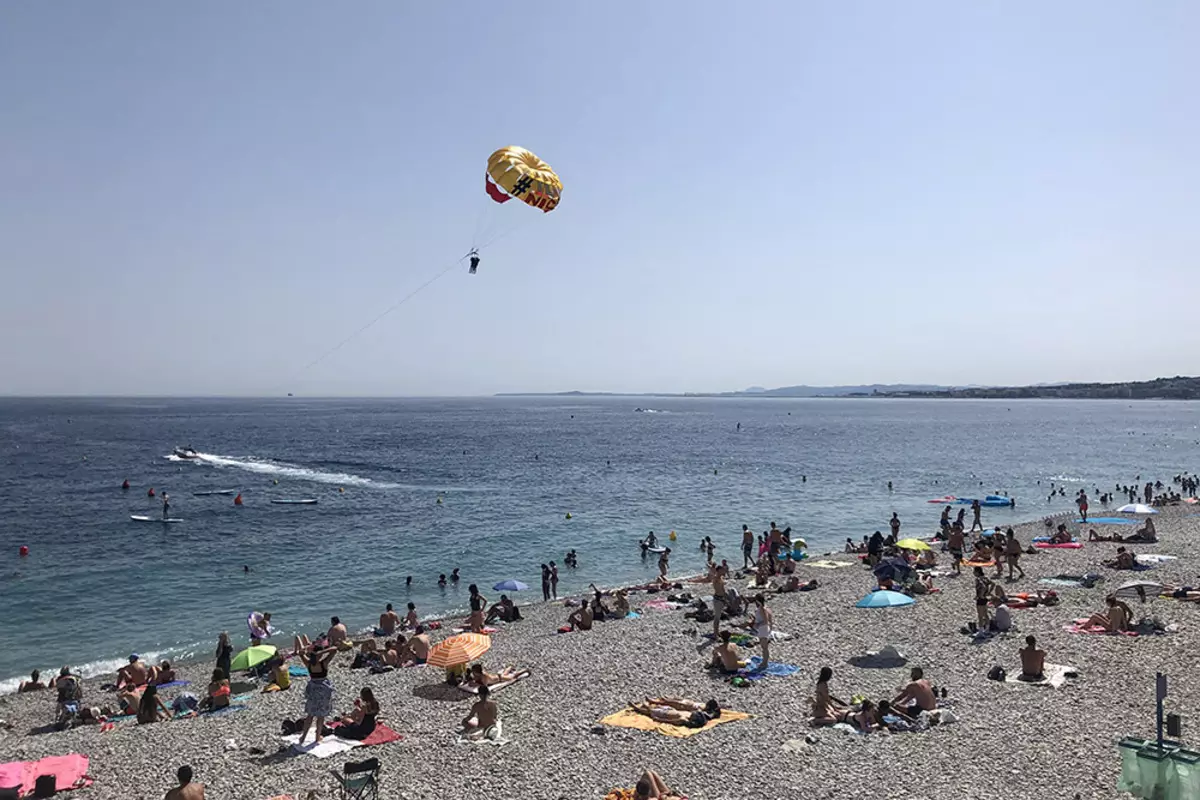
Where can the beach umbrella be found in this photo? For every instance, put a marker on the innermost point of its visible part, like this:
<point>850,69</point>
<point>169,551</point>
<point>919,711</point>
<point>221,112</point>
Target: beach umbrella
<point>884,599</point>
<point>892,569</point>
<point>510,585</point>
<point>1146,589</point>
<point>460,649</point>
<point>1136,508</point>
<point>912,544</point>
<point>251,657</point>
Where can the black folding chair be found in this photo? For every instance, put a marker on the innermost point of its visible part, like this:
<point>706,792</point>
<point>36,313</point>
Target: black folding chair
<point>359,780</point>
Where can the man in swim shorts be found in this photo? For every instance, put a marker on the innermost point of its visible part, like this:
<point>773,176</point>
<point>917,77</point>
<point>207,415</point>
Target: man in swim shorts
<point>956,548</point>
<point>747,547</point>
<point>717,574</point>
<point>418,645</point>
<point>388,621</point>
<point>725,656</point>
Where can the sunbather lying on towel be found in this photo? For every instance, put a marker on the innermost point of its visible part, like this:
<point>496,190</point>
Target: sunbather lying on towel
<point>1116,620</point>
<point>651,787</point>
<point>477,677</point>
<point>1095,537</point>
<point>678,711</point>
<point>793,584</point>
<point>1124,560</point>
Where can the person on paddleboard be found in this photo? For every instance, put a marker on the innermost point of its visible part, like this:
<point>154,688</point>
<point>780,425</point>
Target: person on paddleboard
<point>474,256</point>
<point>166,505</point>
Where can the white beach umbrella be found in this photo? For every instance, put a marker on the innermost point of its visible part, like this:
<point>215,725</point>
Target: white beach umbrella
<point>1137,508</point>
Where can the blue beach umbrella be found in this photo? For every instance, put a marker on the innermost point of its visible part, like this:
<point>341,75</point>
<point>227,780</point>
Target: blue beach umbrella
<point>510,585</point>
<point>884,599</point>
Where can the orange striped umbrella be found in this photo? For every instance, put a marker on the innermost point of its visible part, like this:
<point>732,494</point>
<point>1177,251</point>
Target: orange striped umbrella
<point>459,649</point>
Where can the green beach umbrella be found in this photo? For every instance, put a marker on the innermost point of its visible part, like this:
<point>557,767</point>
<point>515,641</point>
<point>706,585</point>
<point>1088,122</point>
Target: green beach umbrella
<point>251,657</point>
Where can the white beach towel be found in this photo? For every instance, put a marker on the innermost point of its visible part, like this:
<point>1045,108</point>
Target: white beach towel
<point>329,746</point>
<point>1053,675</point>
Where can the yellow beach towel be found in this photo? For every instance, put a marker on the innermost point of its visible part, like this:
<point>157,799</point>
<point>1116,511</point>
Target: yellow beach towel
<point>628,718</point>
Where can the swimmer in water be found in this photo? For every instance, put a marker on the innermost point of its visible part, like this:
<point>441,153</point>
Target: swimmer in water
<point>442,580</point>
<point>454,575</point>
<point>125,484</point>
<point>408,582</point>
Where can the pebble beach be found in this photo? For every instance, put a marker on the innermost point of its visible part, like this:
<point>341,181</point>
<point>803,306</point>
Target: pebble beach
<point>1009,741</point>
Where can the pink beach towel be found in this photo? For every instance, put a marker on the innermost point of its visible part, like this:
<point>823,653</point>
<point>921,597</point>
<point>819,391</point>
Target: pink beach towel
<point>1063,546</point>
<point>70,772</point>
<point>1080,626</point>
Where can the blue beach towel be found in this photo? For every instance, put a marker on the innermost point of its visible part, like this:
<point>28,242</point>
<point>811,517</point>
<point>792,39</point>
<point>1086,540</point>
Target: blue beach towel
<point>173,683</point>
<point>633,615</point>
<point>297,671</point>
<point>775,669</point>
<point>1108,521</point>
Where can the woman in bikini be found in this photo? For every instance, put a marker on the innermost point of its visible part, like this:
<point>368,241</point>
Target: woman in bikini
<point>827,709</point>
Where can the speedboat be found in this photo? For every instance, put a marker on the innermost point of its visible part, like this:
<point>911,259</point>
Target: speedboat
<point>186,452</point>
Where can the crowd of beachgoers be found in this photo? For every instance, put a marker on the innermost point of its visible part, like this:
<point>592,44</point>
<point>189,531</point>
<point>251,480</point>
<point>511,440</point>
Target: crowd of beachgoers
<point>972,653</point>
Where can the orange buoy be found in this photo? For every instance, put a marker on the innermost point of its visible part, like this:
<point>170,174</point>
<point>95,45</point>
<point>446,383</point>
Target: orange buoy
<point>237,501</point>
<point>151,492</point>
<point>24,551</point>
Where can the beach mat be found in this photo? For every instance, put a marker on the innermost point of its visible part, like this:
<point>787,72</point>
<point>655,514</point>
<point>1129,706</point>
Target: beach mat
<point>297,671</point>
<point>1063,546</point>
<point>628,718</point>
<point>775,669</point>
<point>486,630</point>
<point>171,684</point>
<point>979,563</point>
<point>1108,521</point>
<point>381,735</point>
<point>70,772</point>
<point>1053,675</point>
<point>827,564</point>
<point>329,746</point>
<point>1153,558</point>
<point>1081,626</point>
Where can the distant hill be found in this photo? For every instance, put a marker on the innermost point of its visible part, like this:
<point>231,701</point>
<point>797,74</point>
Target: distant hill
<point>1177,388</point>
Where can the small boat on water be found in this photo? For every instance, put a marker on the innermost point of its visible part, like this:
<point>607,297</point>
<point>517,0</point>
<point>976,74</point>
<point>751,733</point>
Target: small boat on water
<point>186,452</point>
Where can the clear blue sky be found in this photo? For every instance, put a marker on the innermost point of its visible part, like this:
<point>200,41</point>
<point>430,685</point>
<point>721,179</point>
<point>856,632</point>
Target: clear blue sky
<point>203,198</point>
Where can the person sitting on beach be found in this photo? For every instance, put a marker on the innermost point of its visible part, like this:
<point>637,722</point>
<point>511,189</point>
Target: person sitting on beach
<point>151,707</point>
<point>34,684</point>
<point>483,716</point>
<point>1061,535</point>
<point>866,719</point>
<point>394,651</point>
<point>418,645</point>
<point>983,551</point>
<point>218,692</point>
<point>410,619</point>
<point>927,560</point>
<point>161,674</point>
<point>281,679</point>
<point>678,711</point>
<point>130,700</point>
<point>504,610</point>
<point>360,723</point>
<point>389,620</point>
<point>1124,560</point>
<point>917,695</point>
<point>725,655</point>
<point>1146,534</point>
<point>789,565</point>
<point>133,674</point>
<point>337,635</point>
<point>477,677</point>
<point>851,547</point>
<point>621,604</point>
<point>599,611</point>
<point>1033,660</point>
<point>1116,620</point>
<point>700,612</point>
<point>70,693</point>
<point>186,790</point>
<point>827,709</point>
<point>581,619</point>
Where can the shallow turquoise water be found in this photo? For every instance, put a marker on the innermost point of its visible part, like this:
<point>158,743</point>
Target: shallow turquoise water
<point>97,586</point>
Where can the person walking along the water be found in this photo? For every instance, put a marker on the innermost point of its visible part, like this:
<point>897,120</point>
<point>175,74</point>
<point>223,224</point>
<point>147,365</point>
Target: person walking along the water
<point>545,582</point>
<point>975,511</point>
<point>895,523</point>
<point>554,580</point>
<point>1082,502</point>
<point>747,547</point>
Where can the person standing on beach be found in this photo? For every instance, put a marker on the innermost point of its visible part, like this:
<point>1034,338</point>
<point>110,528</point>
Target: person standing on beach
<point>554,580</point>
<point>318,694</point>
<point>186,790</point>
<point>545,582</point>
<point>478,603</point>
<point>747,547</point>
<point>983,590</point>
<point>975,512</point>
<point>717,574</point>
<point>664,562</point>
<point>762,628</point>
<point>1082,502</point>
<point>895,523</point>
<point>1012,554</point>
<point>955,544</point>
<point>224,653</point>
<point>945,523</point>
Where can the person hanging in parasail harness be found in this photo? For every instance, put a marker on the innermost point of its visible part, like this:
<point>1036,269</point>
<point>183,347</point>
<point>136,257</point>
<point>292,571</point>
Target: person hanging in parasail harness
<point>474,256</point>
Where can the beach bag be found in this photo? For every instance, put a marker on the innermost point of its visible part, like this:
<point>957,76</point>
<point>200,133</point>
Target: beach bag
<point>45,786</point>
<point>997,673</point>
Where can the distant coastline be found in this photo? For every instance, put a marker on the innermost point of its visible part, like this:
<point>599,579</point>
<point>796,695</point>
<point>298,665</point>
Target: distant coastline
<point>1177,388</point>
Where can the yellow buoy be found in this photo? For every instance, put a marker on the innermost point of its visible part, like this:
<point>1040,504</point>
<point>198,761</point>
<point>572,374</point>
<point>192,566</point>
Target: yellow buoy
<point>341,490</point>
<point>439,502</point>
<point>672,536</point>
<point>276,481</point>
<point>568,515</point>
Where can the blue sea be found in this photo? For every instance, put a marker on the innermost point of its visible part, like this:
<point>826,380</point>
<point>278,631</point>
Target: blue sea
<point>97,586</point>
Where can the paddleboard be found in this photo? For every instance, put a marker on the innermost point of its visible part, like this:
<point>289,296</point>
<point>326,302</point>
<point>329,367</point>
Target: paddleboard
<point>140,518</point>
<point>215,492</point>
<point>294,502</point>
